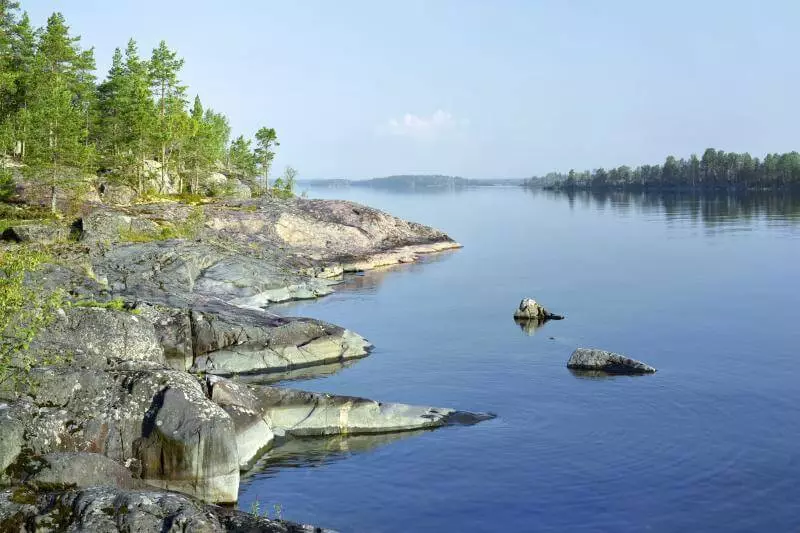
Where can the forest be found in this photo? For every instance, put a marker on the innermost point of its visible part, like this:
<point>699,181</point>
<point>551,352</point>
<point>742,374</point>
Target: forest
<point>715,169</point>
<point>136,127</point>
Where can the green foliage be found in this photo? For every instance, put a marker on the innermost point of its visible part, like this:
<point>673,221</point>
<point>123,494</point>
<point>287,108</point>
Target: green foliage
<point>7,188</point>
<point>24,311</point>
<point>266,139</point>
<point>54,116</point>
<point>255,510</point>
<point>284,185</point>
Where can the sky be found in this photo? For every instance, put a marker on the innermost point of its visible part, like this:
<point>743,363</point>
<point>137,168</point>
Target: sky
<point>474,88</point>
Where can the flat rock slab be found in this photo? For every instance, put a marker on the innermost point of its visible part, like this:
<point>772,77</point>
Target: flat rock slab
<point>609,362</point>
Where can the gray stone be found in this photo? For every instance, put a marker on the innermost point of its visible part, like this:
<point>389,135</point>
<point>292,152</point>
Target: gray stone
<point>99,338</point>
<point>160,418</point>
<point>37,233</point>
<point>117,194</point>
<point>188,444</point>
<point>230,343</point>
<point>238,190</point>
<point>609,362</point>
<point>304,414</point>
<point>11,437</point>
<point>111,510</point>
<point>107,226</point>
<point>530,309</point>
<point>253,435</point>
<point>79,469</point>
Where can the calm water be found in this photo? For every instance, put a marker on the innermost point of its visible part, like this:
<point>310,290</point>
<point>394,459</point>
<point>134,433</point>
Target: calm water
<point>706,290</point>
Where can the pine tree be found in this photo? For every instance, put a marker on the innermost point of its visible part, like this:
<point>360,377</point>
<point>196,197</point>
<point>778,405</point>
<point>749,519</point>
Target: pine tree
<point>111,103</point>
<point>266,138</point>
<point>242,161</point>
<point>139,111</point>
<point>164,69</point>
<point>61,89</point>
<point>8,74</point>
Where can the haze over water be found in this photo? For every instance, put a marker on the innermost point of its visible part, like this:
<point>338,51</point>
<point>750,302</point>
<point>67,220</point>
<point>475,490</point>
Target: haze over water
<point>703,288</point>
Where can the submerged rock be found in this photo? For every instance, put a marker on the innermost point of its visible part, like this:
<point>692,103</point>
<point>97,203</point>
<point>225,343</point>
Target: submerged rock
<point>609,362</point>
<point>530,309</point>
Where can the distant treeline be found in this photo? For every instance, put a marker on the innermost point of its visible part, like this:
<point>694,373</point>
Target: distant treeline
<point>414,182</point>
<point>716,169</point>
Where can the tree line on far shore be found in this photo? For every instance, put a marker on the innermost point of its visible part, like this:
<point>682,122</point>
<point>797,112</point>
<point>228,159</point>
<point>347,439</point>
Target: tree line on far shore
<point>715,169</point>
<point>55,116</point>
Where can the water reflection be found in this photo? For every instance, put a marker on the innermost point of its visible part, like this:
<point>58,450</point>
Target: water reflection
<point>530,325</point>
<point>711,209</point>
<point>315,452</point>
<point>297,374</point>
<point>601,375</point>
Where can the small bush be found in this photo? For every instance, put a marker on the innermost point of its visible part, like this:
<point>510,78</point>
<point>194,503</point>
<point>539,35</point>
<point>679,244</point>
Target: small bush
<point>24,311</point>
<point>7,187</point>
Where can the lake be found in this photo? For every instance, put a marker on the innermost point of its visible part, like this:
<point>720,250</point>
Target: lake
<point>704,288</point>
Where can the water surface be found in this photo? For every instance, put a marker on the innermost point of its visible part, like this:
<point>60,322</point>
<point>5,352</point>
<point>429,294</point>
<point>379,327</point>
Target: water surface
<point>703,288</point>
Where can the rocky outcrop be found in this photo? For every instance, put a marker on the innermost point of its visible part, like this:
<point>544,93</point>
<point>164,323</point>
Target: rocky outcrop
<point>117,194</point>
<point>305,414</point>
<point>107,395</point>
<point>74,469</point>
<point>612,363</point>
<point>230,343</point>
<point>36,233</point>
<point>116,510</point>
<point>530,309</point>
<point>107,226</point>
<point>159,418</point>
<point>94,337</point>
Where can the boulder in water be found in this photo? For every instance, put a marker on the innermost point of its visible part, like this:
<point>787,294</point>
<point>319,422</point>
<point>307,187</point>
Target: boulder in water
<point>530,309</point>
<point>609,362</point>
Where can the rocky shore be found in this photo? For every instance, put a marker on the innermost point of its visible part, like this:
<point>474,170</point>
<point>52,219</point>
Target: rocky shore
<point>144,372</point>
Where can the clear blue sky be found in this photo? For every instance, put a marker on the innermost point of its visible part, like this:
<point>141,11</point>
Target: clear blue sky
<point>475,88</point>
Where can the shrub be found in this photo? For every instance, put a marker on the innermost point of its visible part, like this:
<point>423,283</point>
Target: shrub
<point>24,311</point>
<point>7,187</point>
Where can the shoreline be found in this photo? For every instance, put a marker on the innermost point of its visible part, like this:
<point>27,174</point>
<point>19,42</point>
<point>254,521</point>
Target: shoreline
<point>156,383</point>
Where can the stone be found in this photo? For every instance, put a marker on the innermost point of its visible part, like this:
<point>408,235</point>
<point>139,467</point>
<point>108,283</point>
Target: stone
<point>609,362</point>
<point>530,309</point>
<point>12,431</point>
<point>37,233</point>
<point>253,435</point>
<point>102,225</point>
<point>117,194</point>
<point>78,469</point>
<point>160,418</point>
<point>97,337</point>
<point>115,510</point>
<point>238,190</point>
<point>306,414</point>
<point>242,342</point>
<point>188,445</point>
